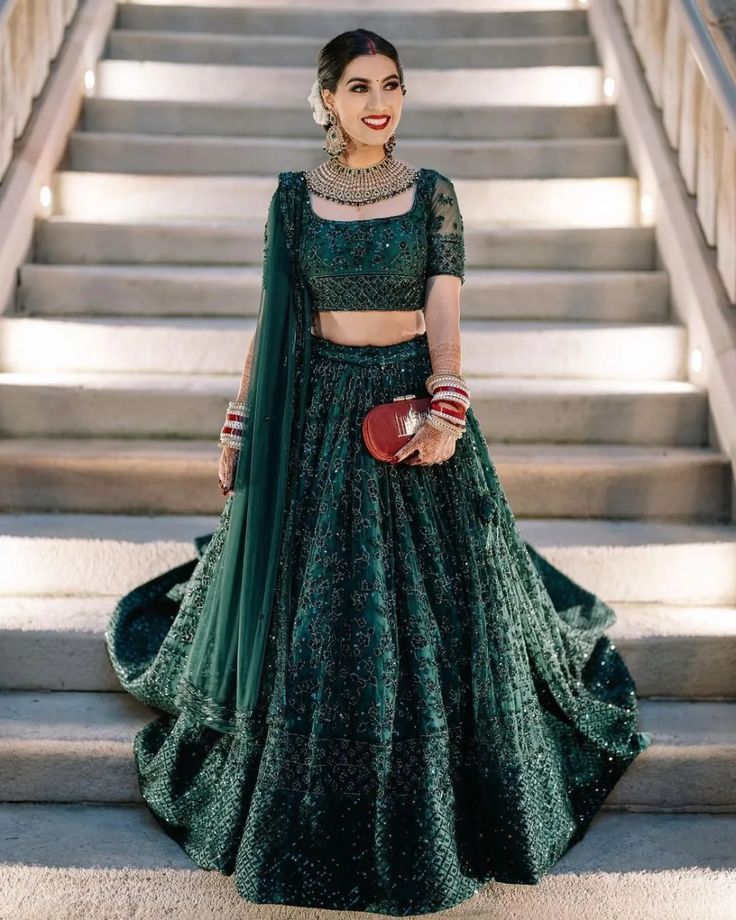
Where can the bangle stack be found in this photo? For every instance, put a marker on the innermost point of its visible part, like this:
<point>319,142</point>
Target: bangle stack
<point>231,434</point>
<point>448,388</point>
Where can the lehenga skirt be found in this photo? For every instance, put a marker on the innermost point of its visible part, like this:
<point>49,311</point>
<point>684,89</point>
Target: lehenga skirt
<point>440,707</point>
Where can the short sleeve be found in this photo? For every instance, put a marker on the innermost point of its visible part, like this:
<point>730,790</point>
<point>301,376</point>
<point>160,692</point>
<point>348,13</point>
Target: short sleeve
<point>445,240</point>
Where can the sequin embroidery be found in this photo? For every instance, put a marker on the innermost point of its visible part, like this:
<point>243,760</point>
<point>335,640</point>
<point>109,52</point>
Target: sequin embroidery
<point>382,263</point>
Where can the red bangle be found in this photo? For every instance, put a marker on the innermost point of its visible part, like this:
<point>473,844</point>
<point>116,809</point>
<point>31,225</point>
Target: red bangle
<point>450,413</point>
<point>449,388</point>
<point>451,407</point>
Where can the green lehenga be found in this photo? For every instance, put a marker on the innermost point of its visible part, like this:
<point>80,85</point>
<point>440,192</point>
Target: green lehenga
<point>425,703</point>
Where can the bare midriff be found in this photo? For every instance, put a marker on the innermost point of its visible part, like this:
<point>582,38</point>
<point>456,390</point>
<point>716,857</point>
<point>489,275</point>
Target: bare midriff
<point>374,327</point>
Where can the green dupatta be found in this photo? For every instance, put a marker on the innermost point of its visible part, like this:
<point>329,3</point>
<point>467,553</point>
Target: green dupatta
<point>224,668</point>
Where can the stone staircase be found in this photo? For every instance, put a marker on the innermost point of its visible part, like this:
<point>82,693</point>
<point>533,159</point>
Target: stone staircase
<point>133,318</point>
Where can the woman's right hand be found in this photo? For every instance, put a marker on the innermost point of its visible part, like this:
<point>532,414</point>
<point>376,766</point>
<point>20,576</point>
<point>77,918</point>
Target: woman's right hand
<point>226,472</point>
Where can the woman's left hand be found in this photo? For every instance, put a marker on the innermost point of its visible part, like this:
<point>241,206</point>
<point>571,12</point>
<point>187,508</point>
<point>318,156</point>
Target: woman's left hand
<point>431,446</point>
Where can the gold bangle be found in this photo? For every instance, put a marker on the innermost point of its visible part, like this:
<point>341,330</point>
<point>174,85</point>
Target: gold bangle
<point>451,379</point>
<point>446,427</point>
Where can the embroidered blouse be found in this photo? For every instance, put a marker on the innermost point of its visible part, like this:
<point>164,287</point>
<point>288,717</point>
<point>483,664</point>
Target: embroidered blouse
<point>382,263</point>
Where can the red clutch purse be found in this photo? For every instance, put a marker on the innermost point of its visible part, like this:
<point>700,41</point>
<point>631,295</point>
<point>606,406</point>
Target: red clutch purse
<point>388,426</point>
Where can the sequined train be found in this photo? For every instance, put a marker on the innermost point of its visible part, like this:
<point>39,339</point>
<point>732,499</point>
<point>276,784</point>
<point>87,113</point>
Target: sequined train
<point>441,706</point>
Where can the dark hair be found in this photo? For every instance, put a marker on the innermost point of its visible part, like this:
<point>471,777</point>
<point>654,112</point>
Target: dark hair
<point>340,51</point>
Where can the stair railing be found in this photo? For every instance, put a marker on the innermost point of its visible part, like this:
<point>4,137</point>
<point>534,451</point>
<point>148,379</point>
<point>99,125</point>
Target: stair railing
<point>671,74</point>
<point>690,69</point>
<point>36,132</point>
<point>31,34</point>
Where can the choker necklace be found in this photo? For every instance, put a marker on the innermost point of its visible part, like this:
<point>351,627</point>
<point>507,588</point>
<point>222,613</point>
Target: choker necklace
<point>360,184</point>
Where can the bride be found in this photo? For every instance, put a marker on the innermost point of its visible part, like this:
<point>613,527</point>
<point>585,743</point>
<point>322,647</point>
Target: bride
<point>373,694</point>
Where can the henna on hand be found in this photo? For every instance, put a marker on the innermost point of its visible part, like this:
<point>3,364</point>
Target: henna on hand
<point>226,472</point>
<point>445,355</point>
<point>431,445</point>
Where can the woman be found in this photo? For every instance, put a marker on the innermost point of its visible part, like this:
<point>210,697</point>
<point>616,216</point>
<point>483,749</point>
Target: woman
<point>376,695</point>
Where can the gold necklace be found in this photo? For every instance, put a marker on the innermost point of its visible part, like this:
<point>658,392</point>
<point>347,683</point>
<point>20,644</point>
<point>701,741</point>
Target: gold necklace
<point>360,184</point>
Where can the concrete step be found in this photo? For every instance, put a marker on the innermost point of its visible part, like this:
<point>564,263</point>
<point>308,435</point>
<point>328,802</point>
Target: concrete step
<point>58,859</point>
<point>496,20</point>
<point>217,345</point>
<point>57,643</point>
<point>177,290</point>
<point>251,118</point>
<point>672,650</point>
<point>635,561</point>
<point>436,86</point>
<point>62,241</point>
<point>71,747</point>
<point>302,51</point>
<point>602,202</point>
<point>69,733</point>
<point>540,480</point>
<point>514,409</point>
<point>233,156</point>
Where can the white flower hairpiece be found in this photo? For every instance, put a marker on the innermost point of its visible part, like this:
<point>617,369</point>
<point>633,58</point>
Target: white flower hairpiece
<point>320,112</point>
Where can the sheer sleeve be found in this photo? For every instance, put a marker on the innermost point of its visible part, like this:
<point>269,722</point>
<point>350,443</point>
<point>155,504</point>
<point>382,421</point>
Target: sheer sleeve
<point>445,241</point>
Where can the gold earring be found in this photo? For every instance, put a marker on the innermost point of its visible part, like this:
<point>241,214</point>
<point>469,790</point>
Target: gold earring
<point>390,144</point>
<point>335,140</point>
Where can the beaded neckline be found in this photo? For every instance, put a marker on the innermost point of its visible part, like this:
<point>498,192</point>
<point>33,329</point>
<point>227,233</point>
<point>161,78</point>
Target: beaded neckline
<point>366,220</point>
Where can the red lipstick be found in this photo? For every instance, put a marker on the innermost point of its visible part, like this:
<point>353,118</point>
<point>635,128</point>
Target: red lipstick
<point>378,126</point>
